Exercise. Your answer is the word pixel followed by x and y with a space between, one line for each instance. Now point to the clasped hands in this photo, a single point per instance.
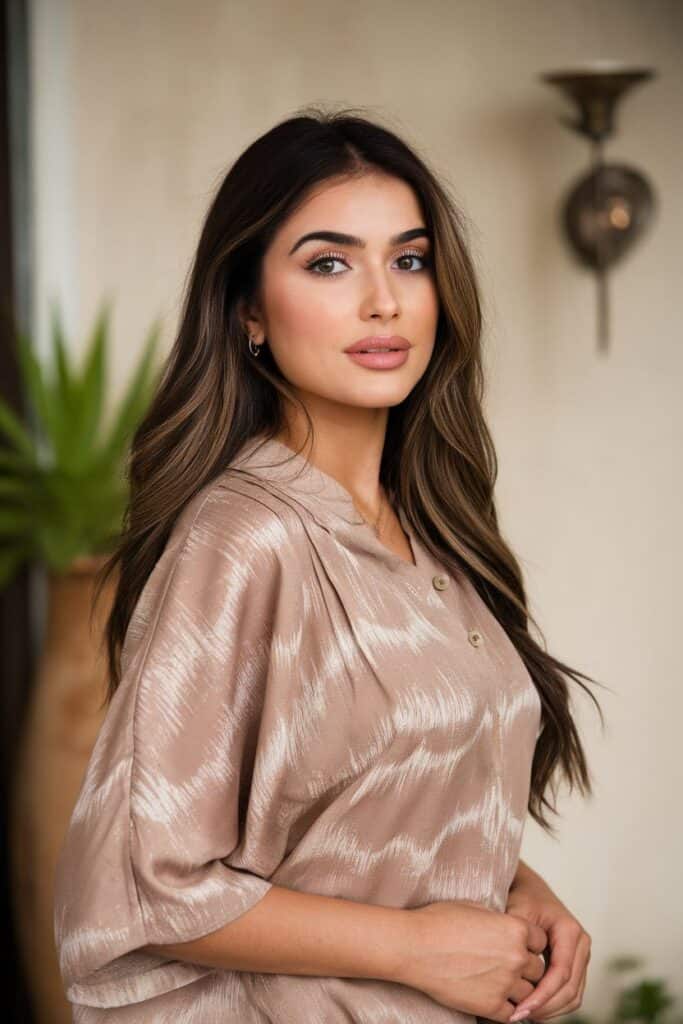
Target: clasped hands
pixel 567 954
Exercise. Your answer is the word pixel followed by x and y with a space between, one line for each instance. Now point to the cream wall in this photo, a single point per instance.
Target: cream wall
pixel 139 108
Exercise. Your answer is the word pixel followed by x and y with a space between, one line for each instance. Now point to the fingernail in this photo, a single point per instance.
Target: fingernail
pixel 520 1016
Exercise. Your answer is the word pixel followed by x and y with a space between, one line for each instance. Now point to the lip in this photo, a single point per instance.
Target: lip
pixel 384 360
pixel 379 341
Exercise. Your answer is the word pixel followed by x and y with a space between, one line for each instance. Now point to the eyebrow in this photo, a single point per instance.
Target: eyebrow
pixel 339 238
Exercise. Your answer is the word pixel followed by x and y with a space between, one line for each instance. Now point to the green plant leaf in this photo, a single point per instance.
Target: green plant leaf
pixel 644 1001
pixel 64 492
pixel 36 387
pixel 10 560
pixel 14 430
pixel 93 387
pixel 15 487
pixel 13 522
pixel 134 402
pixel 79 439
pixel 16 462
pixel 625 962
pixel 63 375
pixel 64 392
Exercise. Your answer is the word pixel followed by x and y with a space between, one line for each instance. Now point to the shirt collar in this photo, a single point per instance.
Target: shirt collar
pixel 282 468
pixel 277 468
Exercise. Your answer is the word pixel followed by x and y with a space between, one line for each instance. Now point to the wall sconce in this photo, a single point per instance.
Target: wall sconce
pixel 607 209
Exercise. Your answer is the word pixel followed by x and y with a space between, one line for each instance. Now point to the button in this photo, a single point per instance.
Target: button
pixel 440 581
pixel 475 638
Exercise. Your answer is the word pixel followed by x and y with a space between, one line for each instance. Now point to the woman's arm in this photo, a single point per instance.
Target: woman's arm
pixel 291 932
pixel 524 874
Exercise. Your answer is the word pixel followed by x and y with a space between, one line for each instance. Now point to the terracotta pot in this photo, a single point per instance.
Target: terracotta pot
pixel 62 721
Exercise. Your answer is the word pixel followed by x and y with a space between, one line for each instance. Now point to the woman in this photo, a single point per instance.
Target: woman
pixel 327 717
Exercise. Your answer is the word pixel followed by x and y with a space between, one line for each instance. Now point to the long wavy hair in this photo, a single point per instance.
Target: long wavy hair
pixel 439 460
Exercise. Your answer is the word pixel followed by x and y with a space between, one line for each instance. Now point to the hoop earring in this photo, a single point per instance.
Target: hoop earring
pixel 254 351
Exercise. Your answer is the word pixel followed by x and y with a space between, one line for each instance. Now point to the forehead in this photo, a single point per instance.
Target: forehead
pixel 374 206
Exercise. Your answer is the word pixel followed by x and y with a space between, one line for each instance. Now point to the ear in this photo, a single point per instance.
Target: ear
pixel 250 320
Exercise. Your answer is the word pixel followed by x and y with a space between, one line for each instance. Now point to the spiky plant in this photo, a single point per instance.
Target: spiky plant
pixel 63 489
pixel 646 1001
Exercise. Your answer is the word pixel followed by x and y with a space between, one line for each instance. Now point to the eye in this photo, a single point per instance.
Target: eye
pixel 337 257
pixel 325 258
pixel 415 254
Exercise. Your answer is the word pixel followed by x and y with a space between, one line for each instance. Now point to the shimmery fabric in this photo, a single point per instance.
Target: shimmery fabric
pixel 299 706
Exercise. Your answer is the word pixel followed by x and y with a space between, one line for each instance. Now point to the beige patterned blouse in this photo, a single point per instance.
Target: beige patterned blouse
pixel 299 706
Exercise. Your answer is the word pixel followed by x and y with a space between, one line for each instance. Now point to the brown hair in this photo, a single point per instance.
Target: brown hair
pixel 439 459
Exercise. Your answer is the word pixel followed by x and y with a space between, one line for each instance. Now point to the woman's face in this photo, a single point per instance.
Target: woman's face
pixel 320 296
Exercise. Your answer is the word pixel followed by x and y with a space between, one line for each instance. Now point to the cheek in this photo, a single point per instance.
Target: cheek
pixel 427 305
pixel 301 313
pixel 305 328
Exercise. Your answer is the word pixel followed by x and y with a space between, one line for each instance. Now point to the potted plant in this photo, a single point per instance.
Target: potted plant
pixel 643 999
pixel 63 493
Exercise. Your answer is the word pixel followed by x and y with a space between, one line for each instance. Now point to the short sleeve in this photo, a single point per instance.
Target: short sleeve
pixel 158 848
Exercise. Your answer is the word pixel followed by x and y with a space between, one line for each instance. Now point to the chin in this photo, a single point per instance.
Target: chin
pixel 376 398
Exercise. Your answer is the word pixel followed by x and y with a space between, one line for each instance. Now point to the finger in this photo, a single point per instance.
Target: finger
pixel 583 986
pixel 537 939
pixel 556 977
pixel 520 990
pixel 534 968
pixel 574 1005
pixel 565 999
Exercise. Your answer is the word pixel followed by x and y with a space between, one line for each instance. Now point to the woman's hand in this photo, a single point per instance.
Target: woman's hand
pixel 561 988
pixel 471 958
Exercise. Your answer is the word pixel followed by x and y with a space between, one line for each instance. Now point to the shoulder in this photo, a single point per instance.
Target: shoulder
pixel 228 549
pixel 236 519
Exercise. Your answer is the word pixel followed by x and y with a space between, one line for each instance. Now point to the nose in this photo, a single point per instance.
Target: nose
pixel 380 298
